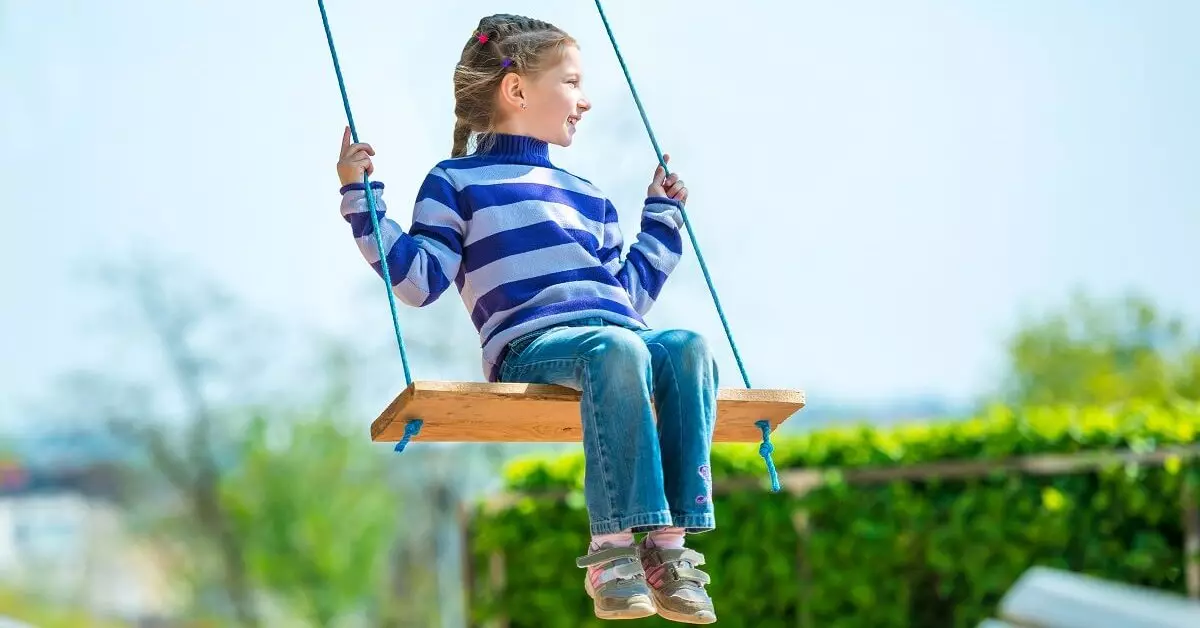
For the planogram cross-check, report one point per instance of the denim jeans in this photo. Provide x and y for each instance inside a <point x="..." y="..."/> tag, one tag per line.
<point x="640" y="474"/>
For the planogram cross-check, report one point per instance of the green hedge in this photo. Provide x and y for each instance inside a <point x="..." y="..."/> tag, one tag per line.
<point x="927" y="553"/>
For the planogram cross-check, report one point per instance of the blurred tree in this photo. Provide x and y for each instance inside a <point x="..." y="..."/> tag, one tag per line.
<point x="315" y="514"/>
<point x="176" y="415"/>
<point x="312" y="503"/>
<point x="1097" y="351"/>
<point x="252" y="445"/>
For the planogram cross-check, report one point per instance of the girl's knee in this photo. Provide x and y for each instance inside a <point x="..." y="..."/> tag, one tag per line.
<point x="689" y="347"/>
<point x="619" y="347"/>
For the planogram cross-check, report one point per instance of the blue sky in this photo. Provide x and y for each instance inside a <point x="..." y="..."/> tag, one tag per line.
<point x="880" y="188"/>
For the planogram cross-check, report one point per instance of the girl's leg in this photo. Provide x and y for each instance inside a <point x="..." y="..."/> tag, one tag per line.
<point x="685" y="396"/>
<point x="623" y="476"/>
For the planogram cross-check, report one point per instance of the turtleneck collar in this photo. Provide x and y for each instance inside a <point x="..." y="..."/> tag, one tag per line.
<point x="517" y="148"/>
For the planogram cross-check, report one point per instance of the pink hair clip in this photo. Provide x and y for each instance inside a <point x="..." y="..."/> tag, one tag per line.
<point x="482" y="37"/>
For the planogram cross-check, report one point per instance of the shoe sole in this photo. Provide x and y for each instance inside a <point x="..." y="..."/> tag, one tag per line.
<point x="637" y="610"/>
<point x="698" y="617"/>
<point x="702" y="617"/>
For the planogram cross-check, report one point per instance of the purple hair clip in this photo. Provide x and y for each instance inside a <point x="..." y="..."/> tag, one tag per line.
<point x="506" y="62"/>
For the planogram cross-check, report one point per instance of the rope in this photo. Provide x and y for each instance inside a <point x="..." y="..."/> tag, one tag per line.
<point x="658" y="151"/>
<point x="411" y="429"/>
<point x="766" y="449"/>
<point x="387" y="275"/>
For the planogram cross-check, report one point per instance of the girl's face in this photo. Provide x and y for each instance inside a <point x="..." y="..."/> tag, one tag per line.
<point x="554" y="100"/>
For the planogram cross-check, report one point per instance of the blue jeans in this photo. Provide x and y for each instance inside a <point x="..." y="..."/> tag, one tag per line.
<point x="640" y="474"/>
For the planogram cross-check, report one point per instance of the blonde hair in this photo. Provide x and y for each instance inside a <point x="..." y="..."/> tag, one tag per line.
<point x="502" y="43"/>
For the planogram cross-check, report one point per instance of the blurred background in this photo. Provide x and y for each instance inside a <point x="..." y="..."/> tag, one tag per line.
<point x="966" y="230"/>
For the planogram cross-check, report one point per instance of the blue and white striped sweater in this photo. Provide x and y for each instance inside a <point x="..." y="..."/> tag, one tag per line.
<point x="527" y="244"/>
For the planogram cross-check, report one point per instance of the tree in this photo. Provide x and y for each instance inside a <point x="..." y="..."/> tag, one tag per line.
<point x="1099" y="351"/>
<point x="252" y="520"/>
<point x="175" y="415"/>
<point x="316" y="515"/>
<point x="313" y="504"/>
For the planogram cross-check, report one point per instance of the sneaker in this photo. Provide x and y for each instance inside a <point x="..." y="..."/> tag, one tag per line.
<point x="676" y="584"/>
<point x="621" y="591"/>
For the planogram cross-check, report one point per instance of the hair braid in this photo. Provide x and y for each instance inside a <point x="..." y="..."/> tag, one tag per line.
<point x="525" y="43"/>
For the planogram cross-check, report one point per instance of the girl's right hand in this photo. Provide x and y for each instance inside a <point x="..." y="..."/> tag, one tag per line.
<point x="355" y="159"/>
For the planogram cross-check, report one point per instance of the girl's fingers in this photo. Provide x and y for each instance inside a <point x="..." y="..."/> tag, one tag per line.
<point x="352" y="149"/>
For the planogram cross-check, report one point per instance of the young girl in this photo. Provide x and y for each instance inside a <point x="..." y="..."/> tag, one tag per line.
<point x="535" y="253"/>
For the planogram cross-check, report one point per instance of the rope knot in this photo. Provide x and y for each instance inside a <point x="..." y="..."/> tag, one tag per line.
<point x="765" y="450"/>
<point x="411" y="429"/>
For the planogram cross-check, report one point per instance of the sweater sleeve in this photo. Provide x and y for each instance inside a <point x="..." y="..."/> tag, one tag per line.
<point x="652" y="257"/>
<point x="423" y="262"/>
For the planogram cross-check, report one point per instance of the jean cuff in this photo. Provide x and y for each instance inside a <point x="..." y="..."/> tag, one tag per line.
<point x="694" y="523"/>
<point x="637" y="523"/>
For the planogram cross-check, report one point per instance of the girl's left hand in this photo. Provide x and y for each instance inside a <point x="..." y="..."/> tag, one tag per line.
<point x="670" y="187"/>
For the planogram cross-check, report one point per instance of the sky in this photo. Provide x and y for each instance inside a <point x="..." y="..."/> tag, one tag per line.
<point x="881" y="189"/>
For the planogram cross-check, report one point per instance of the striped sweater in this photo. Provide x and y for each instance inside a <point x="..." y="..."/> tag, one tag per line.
<point x="527" y="244"/>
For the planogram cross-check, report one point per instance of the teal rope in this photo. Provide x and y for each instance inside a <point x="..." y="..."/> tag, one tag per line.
<point x="387" y="276"/>
<point x="766" y="449"/>
<point x="411" y="429"/>
<point x="658" y="151"/>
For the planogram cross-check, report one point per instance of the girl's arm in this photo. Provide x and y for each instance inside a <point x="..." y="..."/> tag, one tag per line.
<point x="652" y="257"/>
<point x="423" y="262"/>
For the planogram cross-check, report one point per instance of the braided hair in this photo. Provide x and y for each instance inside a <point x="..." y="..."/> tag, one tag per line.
<point x="502" y="43"/>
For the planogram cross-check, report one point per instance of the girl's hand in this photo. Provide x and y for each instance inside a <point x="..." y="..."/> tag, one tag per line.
<point x="355" y="159"/>
<point x="670" y="187"/>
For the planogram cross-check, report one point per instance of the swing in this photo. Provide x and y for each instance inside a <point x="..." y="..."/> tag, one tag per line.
<point x="512" y="412"/>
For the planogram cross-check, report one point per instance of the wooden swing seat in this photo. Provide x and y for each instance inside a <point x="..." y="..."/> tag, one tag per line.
<point x="464" y="412"/>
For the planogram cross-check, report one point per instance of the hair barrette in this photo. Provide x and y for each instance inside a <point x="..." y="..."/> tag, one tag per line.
<point x="482" y="37"/>
<point x="506" y="62"/>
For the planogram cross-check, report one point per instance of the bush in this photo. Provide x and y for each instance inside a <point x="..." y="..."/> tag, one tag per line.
<point x="902" y="553"/>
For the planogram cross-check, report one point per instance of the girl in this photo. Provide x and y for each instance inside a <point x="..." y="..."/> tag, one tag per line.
<point x="535" y="253"/>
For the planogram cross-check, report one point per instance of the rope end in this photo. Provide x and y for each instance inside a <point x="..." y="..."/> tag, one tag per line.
<point x="765" y="450"/>
<point x="411" y="429"/>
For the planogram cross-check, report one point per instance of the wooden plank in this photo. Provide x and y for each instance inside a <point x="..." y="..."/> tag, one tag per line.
<point x="1052" y="598"/>
<point x="466" y="412"/>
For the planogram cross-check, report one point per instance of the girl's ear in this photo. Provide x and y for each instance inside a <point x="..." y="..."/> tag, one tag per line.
<point x="511" y="90"/>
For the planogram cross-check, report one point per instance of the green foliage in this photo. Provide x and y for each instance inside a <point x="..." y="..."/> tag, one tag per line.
<point x="920" y="553"/>
<point x="309" y="500"/>
<point x="1101" y="351"/>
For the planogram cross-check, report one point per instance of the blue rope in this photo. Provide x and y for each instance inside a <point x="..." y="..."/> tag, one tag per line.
<point x="387" y="276"/>
<point x="658" y="151"/>
<point x="765" y="450"/>
<point x="411" y="429"/>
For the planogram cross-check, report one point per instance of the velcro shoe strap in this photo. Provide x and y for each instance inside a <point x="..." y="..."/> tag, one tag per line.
<point x="606" y="555"/>
<point x="685" y="554"/>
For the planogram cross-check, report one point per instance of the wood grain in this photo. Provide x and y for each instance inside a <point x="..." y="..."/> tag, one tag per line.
<point x="531" y="413"/>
